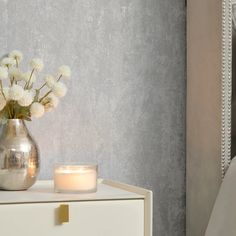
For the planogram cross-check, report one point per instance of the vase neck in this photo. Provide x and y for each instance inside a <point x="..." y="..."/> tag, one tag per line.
<point x="14" y="127"/>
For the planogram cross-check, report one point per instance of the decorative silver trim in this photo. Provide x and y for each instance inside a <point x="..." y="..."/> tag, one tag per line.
<point x="226" y="85"/>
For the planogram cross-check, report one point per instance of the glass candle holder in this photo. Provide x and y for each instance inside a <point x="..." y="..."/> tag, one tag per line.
<point x="75" y="178"/>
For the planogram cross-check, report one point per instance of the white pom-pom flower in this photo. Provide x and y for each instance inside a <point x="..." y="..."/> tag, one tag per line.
<point x="50" y="102"/>
<point x="6" y="92"/>
<point x="16" y="92"/>
<point x="17" y="55"/>
<point x="36" y="64"/>
<point x="15" y="73"/>
<point x="26" y="77"/>
<point x="64" y="71"/>
<point x="7" y="61"/>
<point x="50" y="81"/>
<point x="3" y="73"/>
<point x="59" y="89"/>
<point x="26" y="99"/>
<point x="36" y="109"/>
<point x="2" y="102"/>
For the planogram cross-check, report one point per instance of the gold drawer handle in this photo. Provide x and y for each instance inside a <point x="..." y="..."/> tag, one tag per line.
<point x="63" y="213"/>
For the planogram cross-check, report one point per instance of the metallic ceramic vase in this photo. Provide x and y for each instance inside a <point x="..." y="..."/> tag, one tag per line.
<point x="19" y="156"/>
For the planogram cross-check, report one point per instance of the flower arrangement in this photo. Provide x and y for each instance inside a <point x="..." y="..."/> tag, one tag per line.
<point x="18" y="97"/>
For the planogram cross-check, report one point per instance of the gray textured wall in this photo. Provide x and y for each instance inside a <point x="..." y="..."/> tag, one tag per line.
<point x="125" y="108"/>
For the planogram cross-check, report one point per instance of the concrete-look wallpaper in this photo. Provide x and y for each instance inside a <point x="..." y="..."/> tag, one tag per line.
<point x="125" y="107"/>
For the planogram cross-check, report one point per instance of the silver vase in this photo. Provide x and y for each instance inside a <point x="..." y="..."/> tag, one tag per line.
<point x="19" y="156"/>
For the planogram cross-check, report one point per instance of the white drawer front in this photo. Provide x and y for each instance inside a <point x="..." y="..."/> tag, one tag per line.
<point x="90" y="218"/>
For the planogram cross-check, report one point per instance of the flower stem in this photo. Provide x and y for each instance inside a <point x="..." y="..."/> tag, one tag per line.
<point x="17" y="64"/>
<point x="13" y="80"/>
<point x="12" y="109"/>
<point x="8" y="108"/>
<point x="48" y="91"/>
<point x="29" y="80"/>
<point x="42" y="86"/>
<point x="46" y="83"/>
<point x="2" y="90"/>
<point x="9" y="111"/>
<point x="59" y="78"/>
<point x="45" y="95"/>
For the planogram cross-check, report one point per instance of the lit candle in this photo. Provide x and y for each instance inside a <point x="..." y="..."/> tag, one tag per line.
<point x="75" y="178"/>
<point x="32" y="168"/>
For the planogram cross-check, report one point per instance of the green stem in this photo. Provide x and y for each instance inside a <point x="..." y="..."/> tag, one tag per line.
<point x="42" y="86"/>
<point x="13" y="80"/>
<point x="17" y="64"/>
<point x="2" y="90"/>
<point x="12" y="111"/>
<point x="9" y="111"/>
<point x="46" y="83"/>
<point x="45" y="95"/>
<point x="8" y="108"/>
<point x="59" y="78"/>
<point x="29" y="80"/>
<point x="48" y="91"/>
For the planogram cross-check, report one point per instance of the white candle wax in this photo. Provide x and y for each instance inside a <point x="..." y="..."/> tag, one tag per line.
<point x="75" y="179"/>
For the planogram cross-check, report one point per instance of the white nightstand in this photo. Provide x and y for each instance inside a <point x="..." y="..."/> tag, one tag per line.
<point x="116" y="209"/>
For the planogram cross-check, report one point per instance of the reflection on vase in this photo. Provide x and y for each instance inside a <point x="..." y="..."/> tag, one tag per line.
<point x="19" y="156"/>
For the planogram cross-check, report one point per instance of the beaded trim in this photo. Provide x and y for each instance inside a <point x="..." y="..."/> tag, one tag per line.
<point x="226" y="85"/>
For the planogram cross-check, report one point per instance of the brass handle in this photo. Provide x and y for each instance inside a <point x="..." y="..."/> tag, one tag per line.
<point x="63" y="213"/>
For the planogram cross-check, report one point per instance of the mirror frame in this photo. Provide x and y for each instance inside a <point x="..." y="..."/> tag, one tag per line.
<point x="226" y="85"/>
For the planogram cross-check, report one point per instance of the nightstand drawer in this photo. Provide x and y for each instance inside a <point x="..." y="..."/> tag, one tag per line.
<point x="86" y="218"/>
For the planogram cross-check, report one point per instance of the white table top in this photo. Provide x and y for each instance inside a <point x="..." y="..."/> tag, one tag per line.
<point x="43" y="191"/>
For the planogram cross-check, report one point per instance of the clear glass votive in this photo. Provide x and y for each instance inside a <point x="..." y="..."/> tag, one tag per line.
<point x="75" y="178"/>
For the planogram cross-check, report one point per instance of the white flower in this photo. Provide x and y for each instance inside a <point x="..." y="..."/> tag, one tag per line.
<point x="36" y="109"/>
<point x="26" y="77"/>
<point x="50" y="102"/>
<point x="36" y="64"/>
<point x="7" y="61"/>
<point x="3" y="72"/>
<point x="17" y="55"/>
<point x="50" y="81"/>
<point x="6" y="92"/>
<point x="16" y="92"/>
<point x="64" y="71"/>
<point x="59" y="89"/>
<point x="15" y="73"/>
<point x="27" y="99"/>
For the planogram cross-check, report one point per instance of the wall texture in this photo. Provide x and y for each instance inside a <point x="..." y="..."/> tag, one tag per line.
<point x="125" y="107"/>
